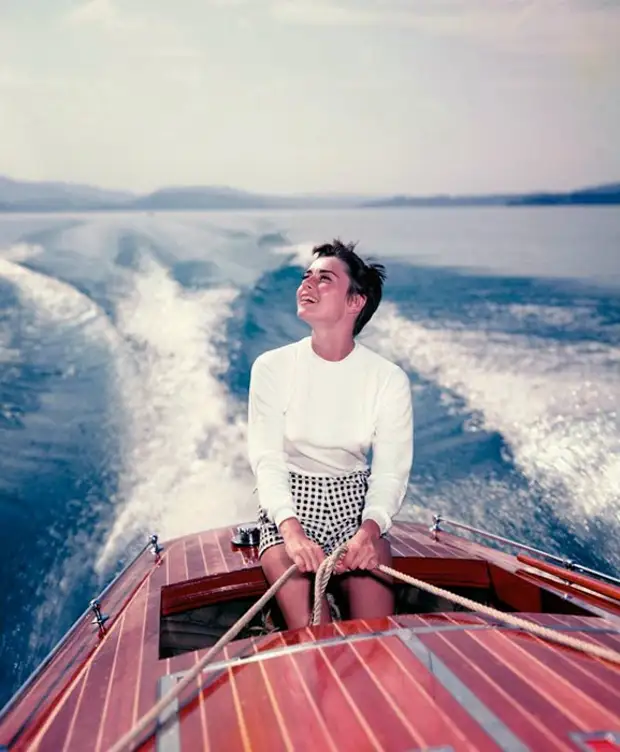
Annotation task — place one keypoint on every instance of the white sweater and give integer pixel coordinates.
(318, 417)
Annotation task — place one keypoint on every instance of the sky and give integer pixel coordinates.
(285, 96)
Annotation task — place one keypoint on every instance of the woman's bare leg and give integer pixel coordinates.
(294, 596)
(370, 594)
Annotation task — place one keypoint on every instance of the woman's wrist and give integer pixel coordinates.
(371, 528)
(291, 527)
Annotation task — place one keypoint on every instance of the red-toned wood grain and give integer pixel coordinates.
(446, 572)
(373, 705)
(440, 719)
(603, 588)
(224, 726)
(528, 715)
(59, 726)
(213, 555)
(218, 588)
(304, 726)
(536, 677)
(347, 727)
(119, 715)
(373, 693)
(196, 565)
(22, 723)
(559, 589)
(87, 726)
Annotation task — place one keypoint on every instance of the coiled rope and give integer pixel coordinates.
(322, 578)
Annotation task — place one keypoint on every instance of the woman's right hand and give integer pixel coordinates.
(306, 554)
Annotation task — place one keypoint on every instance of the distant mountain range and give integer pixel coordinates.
(21, 196)
(597, 195)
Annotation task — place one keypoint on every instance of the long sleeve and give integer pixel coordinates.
(266, 441)
(392, 451)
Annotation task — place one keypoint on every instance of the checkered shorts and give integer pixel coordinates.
(329, 509)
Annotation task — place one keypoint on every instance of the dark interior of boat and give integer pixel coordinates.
(196, 614)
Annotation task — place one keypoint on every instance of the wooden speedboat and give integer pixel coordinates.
(434, 676)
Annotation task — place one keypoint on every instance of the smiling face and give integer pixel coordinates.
(323, 295)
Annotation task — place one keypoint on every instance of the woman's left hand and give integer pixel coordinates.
(362, 549)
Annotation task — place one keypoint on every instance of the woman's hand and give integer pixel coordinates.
(300, 549)
(362, 549)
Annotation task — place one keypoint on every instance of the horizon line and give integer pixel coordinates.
(325, 193)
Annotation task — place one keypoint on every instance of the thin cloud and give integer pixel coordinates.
(103, 14)
(590, 27)
(139, 34)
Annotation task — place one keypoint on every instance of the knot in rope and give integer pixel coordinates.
(321, 580)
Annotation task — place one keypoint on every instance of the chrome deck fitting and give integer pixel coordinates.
(569, 564)
(156, 549)
(99, 618)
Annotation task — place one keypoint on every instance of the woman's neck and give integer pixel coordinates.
(331, 345)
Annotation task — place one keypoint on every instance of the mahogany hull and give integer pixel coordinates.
(437, 681)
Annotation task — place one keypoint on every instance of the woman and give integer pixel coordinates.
(316, 407)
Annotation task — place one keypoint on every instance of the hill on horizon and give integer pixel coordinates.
(53, 196)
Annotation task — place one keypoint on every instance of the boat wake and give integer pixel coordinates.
(183, 465)
(125, 348)
(561, 431)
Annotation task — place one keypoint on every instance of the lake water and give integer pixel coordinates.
(125, 347)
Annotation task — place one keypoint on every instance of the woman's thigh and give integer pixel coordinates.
(370, 594)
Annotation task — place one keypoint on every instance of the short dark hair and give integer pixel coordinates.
(364, 279)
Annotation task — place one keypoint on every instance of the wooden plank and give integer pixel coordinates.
(23, 721)
(57, 730)
(192, 717)
(196, 564)
(499, 689)
(340, 714)
(389, 677)
(378, 715)
(118, 716)
(232, 555)
(89, 715)
(225, 726)
(446, 572)
(209, 720)
(255, 709)
(600, 683)
(536, 677)
(304, 726)
(418, 545)
(515, 592)
(37, 701)
(151, 668)
(176, 563)
(603, 588)
(405, 547)
(212, 553)
(439, 718)
(225, 586)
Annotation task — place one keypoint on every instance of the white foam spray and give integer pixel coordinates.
(184, 464)
(299, 254)
(556, 404)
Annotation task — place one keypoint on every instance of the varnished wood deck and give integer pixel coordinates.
(439, 682)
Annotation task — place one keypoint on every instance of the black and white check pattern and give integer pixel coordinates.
(328, 508)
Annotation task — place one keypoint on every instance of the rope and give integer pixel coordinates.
(321, 580)
(528, 626)
(230, 635)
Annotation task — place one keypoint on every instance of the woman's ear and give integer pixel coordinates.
(357, 302)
